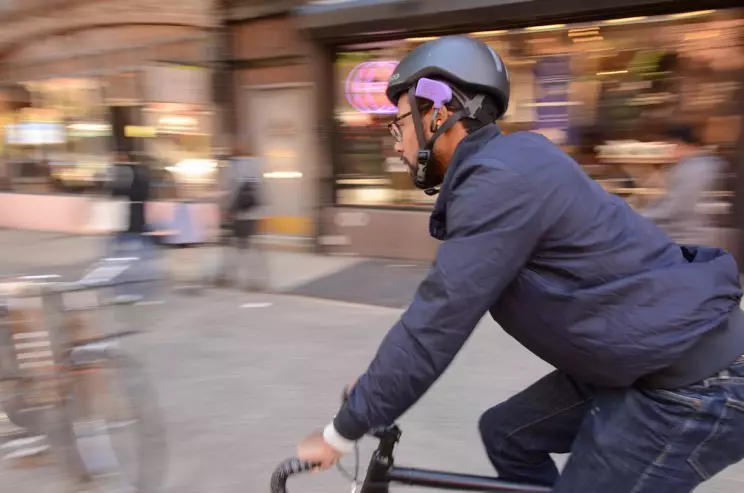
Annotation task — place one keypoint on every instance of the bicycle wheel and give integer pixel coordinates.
(111, 435)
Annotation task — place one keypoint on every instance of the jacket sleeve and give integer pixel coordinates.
(493, 225)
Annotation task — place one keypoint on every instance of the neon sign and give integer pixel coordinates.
(366, 84)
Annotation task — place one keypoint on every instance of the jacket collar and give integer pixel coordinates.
(469, 146)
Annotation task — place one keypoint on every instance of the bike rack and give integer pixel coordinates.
(37, 324)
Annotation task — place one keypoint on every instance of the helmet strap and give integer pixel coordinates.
(424, 154)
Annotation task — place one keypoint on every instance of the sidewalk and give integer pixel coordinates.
(30, 252)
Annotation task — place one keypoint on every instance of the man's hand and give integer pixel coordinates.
(314, 449)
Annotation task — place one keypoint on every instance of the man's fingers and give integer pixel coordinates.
(323, 467)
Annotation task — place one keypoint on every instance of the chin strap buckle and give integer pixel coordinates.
(423, 157)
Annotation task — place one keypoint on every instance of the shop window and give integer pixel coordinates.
(59, 143)
(605, 92)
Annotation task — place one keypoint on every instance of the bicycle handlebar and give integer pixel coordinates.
(293, 466)
(288, 468)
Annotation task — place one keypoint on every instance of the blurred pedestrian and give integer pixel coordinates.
(241, 260)
(695, 172)
(131, 182)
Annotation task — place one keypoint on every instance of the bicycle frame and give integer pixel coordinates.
(382, 472)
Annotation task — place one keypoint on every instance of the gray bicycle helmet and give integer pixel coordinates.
(466, 63)
(469, 69)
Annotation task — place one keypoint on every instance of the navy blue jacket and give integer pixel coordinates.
(567, 269)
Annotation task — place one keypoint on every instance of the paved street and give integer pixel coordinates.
(241, 377)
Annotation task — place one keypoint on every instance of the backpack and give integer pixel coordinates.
(246, 198)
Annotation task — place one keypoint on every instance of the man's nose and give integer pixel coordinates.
(398, 147)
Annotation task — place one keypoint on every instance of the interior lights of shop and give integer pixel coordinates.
(577, 31)
(422, 39)
(697, 13)
(613, 72)
(549, 27)
(584, 31)
(625, 20)
(485, 34)
(139, 131)
(282, 174)
(35, 133)
(363, 181)
(92, 127)
(193, 167)
(89, 129)
(580, 31)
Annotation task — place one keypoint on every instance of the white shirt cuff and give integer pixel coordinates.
(335, 440)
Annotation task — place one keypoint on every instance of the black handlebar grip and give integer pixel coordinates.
(286, 469)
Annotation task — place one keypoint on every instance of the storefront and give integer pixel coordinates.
(601, 84)
(141, 89)
(96, 82)
(273, 73)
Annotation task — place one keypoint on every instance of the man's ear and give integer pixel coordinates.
(444, 113)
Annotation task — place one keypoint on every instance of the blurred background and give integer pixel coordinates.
(205, 96)
(296, 88)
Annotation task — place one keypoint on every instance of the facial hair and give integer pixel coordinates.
(433, 176)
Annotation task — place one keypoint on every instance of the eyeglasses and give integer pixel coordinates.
(395, 128)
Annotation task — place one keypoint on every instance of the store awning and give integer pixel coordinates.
(328, 13)
(337, 20)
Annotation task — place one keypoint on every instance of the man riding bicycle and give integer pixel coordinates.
(646, 335)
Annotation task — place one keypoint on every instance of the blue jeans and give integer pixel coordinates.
(633, 440)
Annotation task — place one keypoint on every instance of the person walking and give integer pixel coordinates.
(241, 216)
(131, 182)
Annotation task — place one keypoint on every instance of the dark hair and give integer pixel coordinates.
(471, 124)
(683, 133)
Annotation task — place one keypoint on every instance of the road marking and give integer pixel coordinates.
(263, 304)
(30, 335)
(150, 303)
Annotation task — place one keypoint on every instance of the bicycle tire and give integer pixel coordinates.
(150, 435)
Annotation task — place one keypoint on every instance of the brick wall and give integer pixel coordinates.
(266, 52)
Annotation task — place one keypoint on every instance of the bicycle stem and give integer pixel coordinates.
(382, 460)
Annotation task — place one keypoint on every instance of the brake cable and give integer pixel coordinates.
(355, 478)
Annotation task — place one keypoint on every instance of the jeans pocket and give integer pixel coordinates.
(683, 397)
(724, 444)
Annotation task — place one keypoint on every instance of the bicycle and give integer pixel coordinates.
(56, 385)
(382, 472)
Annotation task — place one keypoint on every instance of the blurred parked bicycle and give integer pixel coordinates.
(69, 388)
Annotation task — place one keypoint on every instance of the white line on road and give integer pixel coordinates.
(256, 305)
